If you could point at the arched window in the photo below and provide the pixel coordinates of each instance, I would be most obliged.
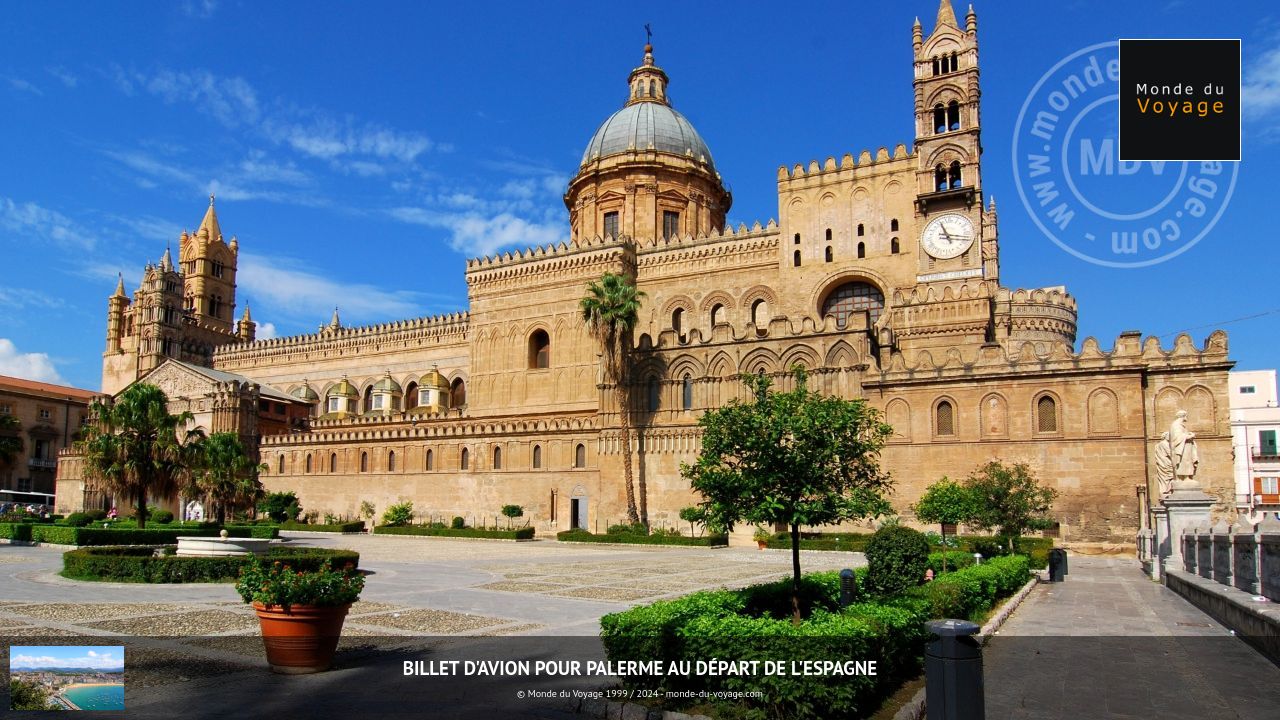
(760, 313)
(830, 255)
(862, 250)
(580, 456)
(935, 66)
(653, 89)
(539, 350)
(429, 461)
(939, 178)
(894, 247)
(537, 457)
(893, 225)
(457, 393)
(1046, 414)
(945, 421)
(861, 230)
(795, 259)
(368, 399)
(828, 234)
(853, 297)
(718, 315)
(939, 119)
(497, 458)
(308, 462)
(364, 462)
(686, 393)
(677, 320)
(280, 466)
(797, 242)
(391, 461)
(655, 394)
(333, 462)
(465, 461)
(953, 115)
(411, 396)
(953, 175)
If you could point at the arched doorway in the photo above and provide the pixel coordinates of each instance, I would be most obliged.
(578, 510)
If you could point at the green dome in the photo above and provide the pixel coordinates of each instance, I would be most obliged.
(344, 389)
(386, 384)
(306, 393)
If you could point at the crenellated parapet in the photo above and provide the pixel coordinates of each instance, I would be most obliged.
(448, 328)
(1040, 315)
(437, 426)
(546, 263)
(847, 169)
(728, 248)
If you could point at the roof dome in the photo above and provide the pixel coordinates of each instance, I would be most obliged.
(344, 389)
(387, 385)
(306, 393)
(648, 126)
(434, 379)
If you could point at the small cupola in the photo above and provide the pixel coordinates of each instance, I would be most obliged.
(648, 82)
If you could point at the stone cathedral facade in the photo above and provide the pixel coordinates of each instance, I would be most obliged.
(881, 276)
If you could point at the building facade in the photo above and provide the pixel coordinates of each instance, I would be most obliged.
(45, 420)
(881, 276)
(1255, 425)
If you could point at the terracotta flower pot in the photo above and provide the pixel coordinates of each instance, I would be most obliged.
(303, 639)
(763, 544)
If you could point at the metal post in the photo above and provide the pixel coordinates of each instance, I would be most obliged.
(848, 587)
(953, 672)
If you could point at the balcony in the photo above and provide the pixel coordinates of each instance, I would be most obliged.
(1266, 454)
(42, 464)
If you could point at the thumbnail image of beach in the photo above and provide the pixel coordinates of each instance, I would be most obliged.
(70, 677)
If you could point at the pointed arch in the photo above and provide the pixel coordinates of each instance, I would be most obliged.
(994, 411)
(898, 415)
(1104, 412)
(841, 355)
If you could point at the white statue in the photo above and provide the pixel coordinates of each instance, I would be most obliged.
(1164, 466)
(195, 511)
(1182, 448)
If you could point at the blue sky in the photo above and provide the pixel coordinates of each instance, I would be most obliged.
(361, 156)
(34, 657)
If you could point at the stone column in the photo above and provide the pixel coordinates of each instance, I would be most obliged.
(1186, 507)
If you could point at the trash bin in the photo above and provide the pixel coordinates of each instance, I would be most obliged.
(953, 671)
(1057, 565)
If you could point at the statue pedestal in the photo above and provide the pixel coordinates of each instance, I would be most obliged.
(1186, 507)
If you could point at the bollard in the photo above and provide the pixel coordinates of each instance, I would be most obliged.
(1057, 565)
(848, 587)
(953, 671)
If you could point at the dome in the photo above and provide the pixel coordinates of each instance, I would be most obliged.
(306, 393)
(434, 379)
(644, 126)
(344, 389)
(387, 385)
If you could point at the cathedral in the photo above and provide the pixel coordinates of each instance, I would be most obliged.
(881, 276)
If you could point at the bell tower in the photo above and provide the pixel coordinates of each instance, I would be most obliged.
(949, 148)
(209, 273)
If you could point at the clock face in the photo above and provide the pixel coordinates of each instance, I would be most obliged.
(947, 236)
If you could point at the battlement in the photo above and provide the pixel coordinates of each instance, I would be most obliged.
(407, 426)
(779, 327)
(452, 326)
(847, 164)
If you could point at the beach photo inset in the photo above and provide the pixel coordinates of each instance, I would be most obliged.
(70, 677)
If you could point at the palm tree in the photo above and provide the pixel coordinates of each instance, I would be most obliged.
(10, 440)
(133, 446)
(227, 474)
(611, 310)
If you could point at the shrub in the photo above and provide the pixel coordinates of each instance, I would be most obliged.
(278, 583)
(16, 531)
(280, 506)
(143, 564)
(968, 593)
(846, 542)
(353, 526)
(629, 528)
(77, 520)
(62, 535)
(438, 530)
(897, 557)
(513, 511)
(164, 517)
(398, 514)
(956, 559)
(95, 515)
(458, 523)
(635, 539)
(989, 547)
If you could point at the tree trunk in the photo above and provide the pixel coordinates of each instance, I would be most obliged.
(142, 509)
(222, 514)
(795, 573)
(944, 547)
(624, 415)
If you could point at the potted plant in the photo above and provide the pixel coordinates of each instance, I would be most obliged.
(762, 537)
(300, 612)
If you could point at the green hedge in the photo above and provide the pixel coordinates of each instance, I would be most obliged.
(1035, 548)
(638, 539)
(524, 533)
(16, 531)
(83, 536)
(956, 559)
(354, 526)
(754, 624)
(141, 564)
(847, 542)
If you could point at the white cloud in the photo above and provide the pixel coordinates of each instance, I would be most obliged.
(326, 138)
(201, 9)
(92, 659)
(31, 366)
(12, 299)
(149, 227)
(266, 331)
(475, 234)
(289, 287)
(250, 179)
(63, 75)
(232, 101)
(25, 86)
(27, 221)
(1260, 93)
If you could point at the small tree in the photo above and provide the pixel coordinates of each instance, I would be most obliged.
(367, 510)
(694, 516)
(512, 512)
(29, 695)
(946, 502)
(10, 439)
(280, 506)
(398, 514)
(796, 457)
(227, 474)
(1010, 499)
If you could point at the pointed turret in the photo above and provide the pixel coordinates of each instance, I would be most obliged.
(209, 225)
(166, 261)
(119, 293)
(247, 328)
(971, 21)
(917, 35)
(946, 16)
(234, 245)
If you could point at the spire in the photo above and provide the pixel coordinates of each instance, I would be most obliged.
(246, 317)
(166, 262)
(335, 323)
(971, 21)
(119, 286)
(946, 16)
(234, 244)
(247, 329)
(917, 34)
(209, 225)
(648, 82)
